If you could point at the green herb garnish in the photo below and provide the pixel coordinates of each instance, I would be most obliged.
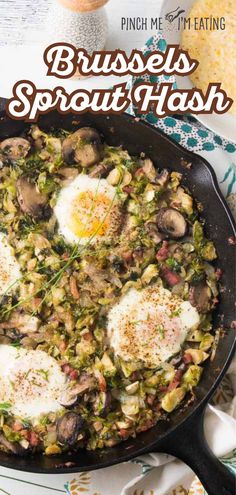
(160, 329)
(4, 406)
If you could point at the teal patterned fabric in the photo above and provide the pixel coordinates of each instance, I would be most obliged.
(191, 134)
(183, 129)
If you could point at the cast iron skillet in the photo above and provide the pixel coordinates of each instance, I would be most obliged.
(182, 435)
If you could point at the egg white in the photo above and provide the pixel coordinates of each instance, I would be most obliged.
(9, 267)
(150, 325)
(87, 210)
(31, 382)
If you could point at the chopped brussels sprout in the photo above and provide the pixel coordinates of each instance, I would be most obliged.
(185, 200)
(206, 342)
(108, 367)
(128, 367)
(130, 404)
(114, 177)
(149, 273)
(195, 336)
(208, 251)
(132, 388)
(172, 399)
(198, 235)
(197, 355)
(192, 375)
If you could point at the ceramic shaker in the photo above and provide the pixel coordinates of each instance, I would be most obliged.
(82, 23)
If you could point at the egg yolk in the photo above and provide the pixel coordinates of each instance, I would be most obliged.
(90, 214)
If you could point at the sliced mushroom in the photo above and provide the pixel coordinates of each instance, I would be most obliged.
(15, 148)
(83, 147)
(30, 200)
(67, 175)
(172, 223)
(13, 447)
(101, 170)
(153, 232)
(23, 322)
(68, 428)
(200, 296)
(70, 394)
(163, 177)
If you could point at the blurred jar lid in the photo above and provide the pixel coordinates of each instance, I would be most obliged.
(83, 5)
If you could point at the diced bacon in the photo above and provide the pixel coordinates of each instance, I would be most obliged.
(187, 358)
(162, 254)
(150, 399)
(139, 172)
(73, 288)
(62, 346)
(74, 375)
(124, 433)
(171, 278)
(127, 189)
(33, 439)
(17, 426)
(88, 336)
(176, 380)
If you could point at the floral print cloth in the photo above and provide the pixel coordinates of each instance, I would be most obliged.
(158, 474)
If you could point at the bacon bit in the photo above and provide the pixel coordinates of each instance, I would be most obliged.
(139, 172)
(135, 376)
(102, 382)
(219, 273)
(98, 426)
(17, 426)
(5, 325)
(232, 241)
(187, 358)
(36, 302)
(163, 389)
(63, 346)
(66, 368)
(162, 254)
(73, 375)
(127, 255)
(73, 288)
(65, 256)
(25, 434)
(150, 399)
(176, 380)
(171, 278)
(127, 189)
(34, 439)
(88, 336)
(124, 433)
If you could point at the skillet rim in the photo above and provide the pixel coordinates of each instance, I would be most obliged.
(11, 461)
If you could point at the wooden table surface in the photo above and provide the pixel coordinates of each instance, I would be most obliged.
(22, 40)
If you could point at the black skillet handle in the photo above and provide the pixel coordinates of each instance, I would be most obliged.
(188, 443)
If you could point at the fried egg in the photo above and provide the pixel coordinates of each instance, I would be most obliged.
(31, 382)
(88, 210)
(9, 267)
(150, 325)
